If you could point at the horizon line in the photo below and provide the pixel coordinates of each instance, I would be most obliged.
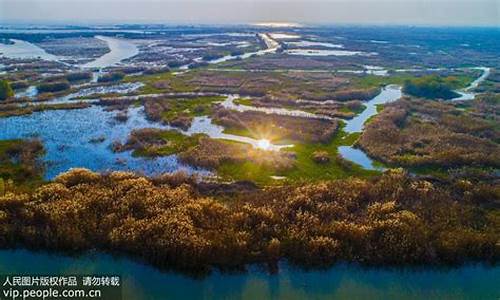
(232, 24)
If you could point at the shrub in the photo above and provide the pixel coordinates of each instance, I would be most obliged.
(2, 187)
(431, 87)
(321, 157)
(177, 63)
(158, 70)
(182, 121)
(5, 90)
(77, 176)
(198, 65)
(154, 109)
(420, 133)
(52, 87)
(111, 77)
(79, 76)
(212, 56)
(237, 52)
(17, 85)
(19, 160)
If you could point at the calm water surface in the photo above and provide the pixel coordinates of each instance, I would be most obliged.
(358, 156)
(388, 94)
(120, 49)
(23, 50)
(340, 282)
(67, 136)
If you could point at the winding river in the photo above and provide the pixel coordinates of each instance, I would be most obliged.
(467, 93)
(358, 156)
(271, 47)
(120, 49)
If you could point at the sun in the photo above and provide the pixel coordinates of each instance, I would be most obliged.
(263, 144)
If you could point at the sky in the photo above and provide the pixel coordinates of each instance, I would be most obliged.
(380, 12)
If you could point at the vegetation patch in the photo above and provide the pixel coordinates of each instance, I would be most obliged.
(392, 220)
(201, 151)
(275, 85)
(5, 90)
(432, 87)
(330, 108)
(274, 127)
(19, 162)
(111, 77)
(157, 142)
(234, 161)
(163, 82)
(419, 133)
(457, 80)
(179, 112)
(485, 106)
(53, 87)
(214, 154)
(305, 167)
(80, 76)
(9, 110)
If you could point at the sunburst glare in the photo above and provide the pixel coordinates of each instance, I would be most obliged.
(264, 144)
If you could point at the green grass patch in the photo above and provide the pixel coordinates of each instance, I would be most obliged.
(244, 101)
(356, 111)
(171, 83)
(379, 108)
(201, 106)
(435, 171)
(247, 171)
(305, 168)
(176, 142)
(238, 131)
(368, 81)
